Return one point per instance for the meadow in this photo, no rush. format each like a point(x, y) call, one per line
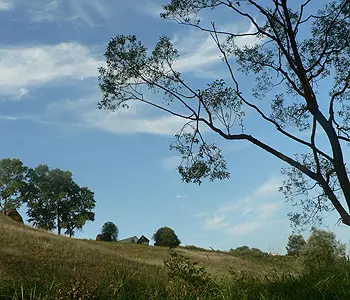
point(36, 264)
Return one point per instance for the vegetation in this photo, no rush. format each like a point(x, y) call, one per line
point(12, 178)
point(245, 251)
point(36, 264)
point(166, 237)
point(298, 59)
point(295, 243)
point(321, 250)
point(109, 232)
point(54, 200)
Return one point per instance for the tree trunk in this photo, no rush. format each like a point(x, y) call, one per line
point(58, 225)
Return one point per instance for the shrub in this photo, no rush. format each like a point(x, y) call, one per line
point(321, 250)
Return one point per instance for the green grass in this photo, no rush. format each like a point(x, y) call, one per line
point(35, 264)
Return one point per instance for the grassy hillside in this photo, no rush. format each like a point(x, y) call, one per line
point(35, 264)
point(27, 252)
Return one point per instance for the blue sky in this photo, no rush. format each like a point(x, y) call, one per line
point(49, 55)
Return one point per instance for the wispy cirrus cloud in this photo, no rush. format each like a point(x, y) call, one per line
point(199, 53)
point(136, 119)
point(5, 5)
point(250, 213)
point(245, 228)
point(88, 12)
point(24, 67)
point(216, 222)
point(248, 203)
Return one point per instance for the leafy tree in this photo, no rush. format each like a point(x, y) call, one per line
point(54, 200)
point(79, 210)
point(166, 237)
point(12, 181)
point(110, 232)
point(322, 249)
point(301, 69)
point(295, 243)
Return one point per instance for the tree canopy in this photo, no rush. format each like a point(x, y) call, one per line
point(295, 243)
point(12, 180)
point(298, 62)
point(322, 249)
point(166, 237)
point(110, 232)
point(54, 200)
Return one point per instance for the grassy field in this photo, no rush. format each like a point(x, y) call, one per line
point(36, 264)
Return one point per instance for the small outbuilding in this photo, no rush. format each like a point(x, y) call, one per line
point(143, 240)
point(135, 240)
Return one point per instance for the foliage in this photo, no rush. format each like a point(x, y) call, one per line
point(295, 243)
point(192, 279)
point(12, 180)
point(109, 232)
point(127, 271)
point(166, 237)
point(245, 251)
point(54, 200)
point(322, 250)
point(300, 67)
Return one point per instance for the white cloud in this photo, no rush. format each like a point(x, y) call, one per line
point(245, 228)
point(256, 209)
point(250, 202)
point(87, 12)
point(216, 222)
point(124, 124)
point(199, 215)
point(269, 188)
point(198, 51)
point(267, 210)
point(5, 5)
point(21, 68)
point(171, 163)
point(137, 119)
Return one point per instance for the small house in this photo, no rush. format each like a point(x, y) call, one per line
point(135, 240)
point(143, 240)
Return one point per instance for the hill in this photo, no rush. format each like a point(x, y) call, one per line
point(33, 261)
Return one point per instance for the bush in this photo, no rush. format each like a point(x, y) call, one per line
point(321, 250)
point(245, 251)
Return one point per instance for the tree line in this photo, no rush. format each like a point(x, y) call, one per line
point(54, 200)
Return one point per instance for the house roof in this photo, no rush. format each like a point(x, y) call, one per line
point(132, 239)
point(143, 238)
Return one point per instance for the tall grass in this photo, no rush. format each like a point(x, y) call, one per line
point(38, 265)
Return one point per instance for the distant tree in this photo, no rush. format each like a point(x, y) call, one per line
point(12, 181)
point(245, 251)
point(54, 200)
point(79, 210)
point(295, 244)
point(109, 232)
point(166, 237)
point(321, 249)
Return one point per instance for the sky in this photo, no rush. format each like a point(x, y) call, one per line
point(50, 52)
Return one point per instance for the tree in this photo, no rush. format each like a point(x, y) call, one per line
point(322, 249)
point(79, 210)
point(166, 237)
point(12, 180)
point(295, 243)
point(301, 69)
point(110, 232)
point(54, 200)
